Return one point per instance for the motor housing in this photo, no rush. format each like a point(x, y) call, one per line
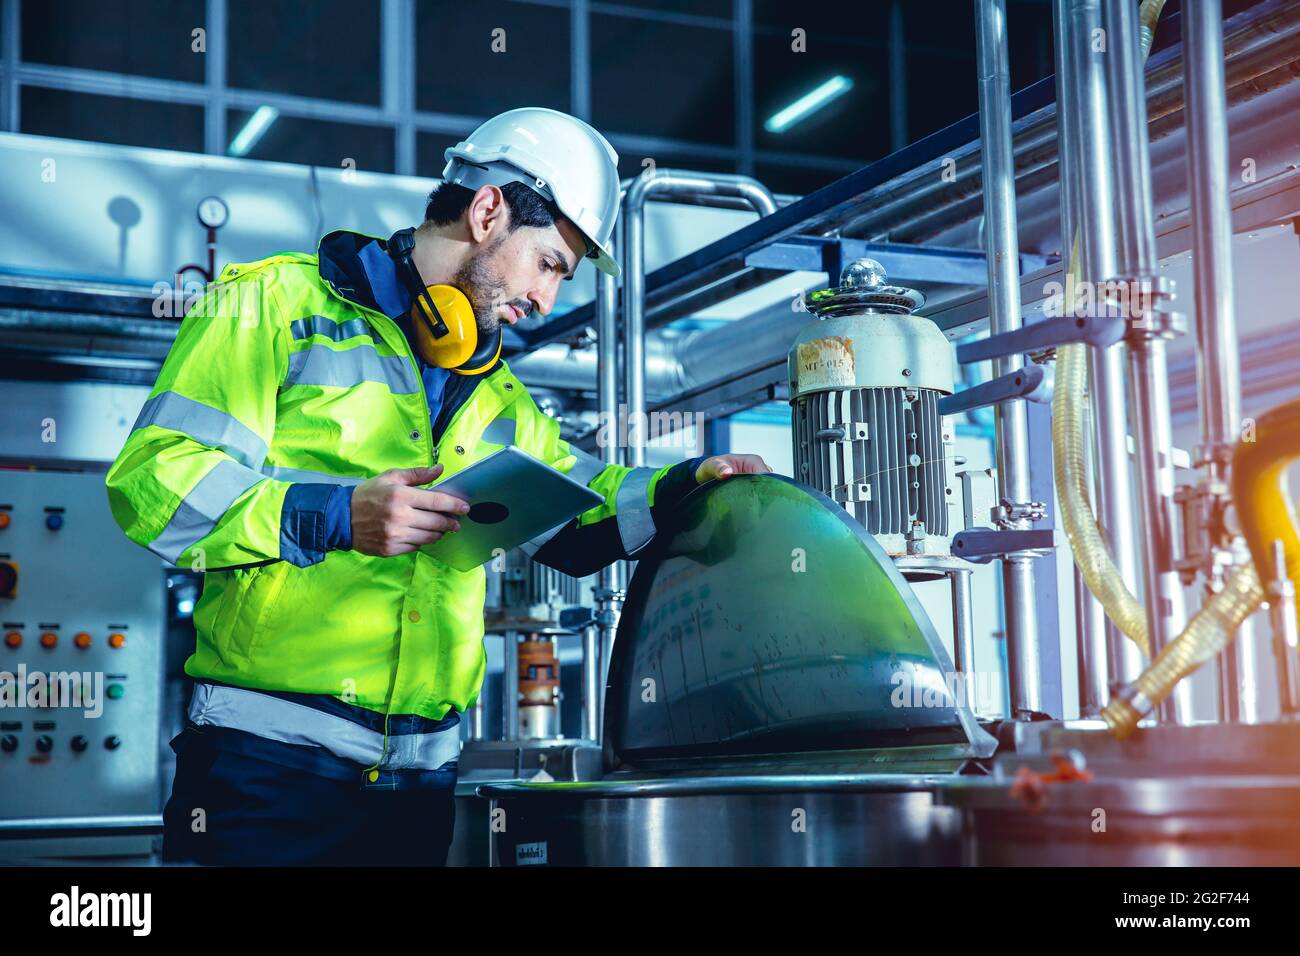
point(865, 381)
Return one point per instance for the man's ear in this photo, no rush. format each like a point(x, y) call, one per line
point(487, 215)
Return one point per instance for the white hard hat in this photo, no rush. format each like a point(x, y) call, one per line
point(559, 156)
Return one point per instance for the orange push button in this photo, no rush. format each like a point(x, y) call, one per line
point(13, 639)
point(4, 520)
point(116, 640)
point(49, 639)
point(82, 640)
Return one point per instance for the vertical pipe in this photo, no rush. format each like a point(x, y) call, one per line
point(1249, 668)
point(1090, 626)
point(478, 718)
point(580, 58)
point(963, 631)
point(1205, 109)
point(217, 25)
point(743, 33)
point(1094, 208)
point(897, 79)
point(1286, 637)
point(610, 581)
point(510, 687)
point(1218, 377)
point(1145, 307)
point(591, 675)
point(634, 329)
point(1090, 617)
point(1003, 253)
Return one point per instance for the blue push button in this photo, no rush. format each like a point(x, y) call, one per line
point(54, 521)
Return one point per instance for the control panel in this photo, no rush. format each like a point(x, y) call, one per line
point(81, 664)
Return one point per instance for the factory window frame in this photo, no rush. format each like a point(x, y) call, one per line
point(717, 124)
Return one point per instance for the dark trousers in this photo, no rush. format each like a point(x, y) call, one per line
point(231, 809)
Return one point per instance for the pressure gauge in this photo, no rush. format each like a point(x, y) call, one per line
point(213, 212)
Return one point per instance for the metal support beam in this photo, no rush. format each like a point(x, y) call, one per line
point(580, 59)
point(897, 77)
point(743, 39)
point(397, 77)
point(10, 56)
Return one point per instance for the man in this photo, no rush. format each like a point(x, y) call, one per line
point(283, 451)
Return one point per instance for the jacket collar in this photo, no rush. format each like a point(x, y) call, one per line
point(339, 262)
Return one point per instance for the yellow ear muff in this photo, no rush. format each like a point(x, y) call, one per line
point(448, 336)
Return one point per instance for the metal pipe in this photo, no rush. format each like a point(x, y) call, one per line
point(915, 208)
point(1209, 186)
point(510, 686)
point(609, 592)
point(963, 627)
point(663, 184)
point(1089, 616)
point(1286, 633)
point(1145, 303)
point(1011, 418)
point(1087, 119)
point(591, 683)
point(478, 719)
point(144, 824)
point(1217, 357)
point(1249, 668)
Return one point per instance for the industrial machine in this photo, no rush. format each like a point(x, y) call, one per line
point(865, 384)
point(776, 695)
point(81, 673)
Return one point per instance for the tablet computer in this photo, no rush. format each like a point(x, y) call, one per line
point(513, 498)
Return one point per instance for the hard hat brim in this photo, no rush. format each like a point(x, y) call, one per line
point(606, 263)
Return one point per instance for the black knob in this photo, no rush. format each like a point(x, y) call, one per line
point(80, 743)
point(8, 579)
point(8, 743)
point(113, 742)
point(44, 743)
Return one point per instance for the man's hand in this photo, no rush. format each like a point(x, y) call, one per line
point(391, 516)
point(721, 466)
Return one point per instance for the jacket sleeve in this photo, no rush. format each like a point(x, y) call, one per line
point(618, 529)
point(188, 483)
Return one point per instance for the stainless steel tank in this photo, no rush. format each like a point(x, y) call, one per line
point(776, 695)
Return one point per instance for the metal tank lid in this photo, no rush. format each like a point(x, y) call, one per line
point(765, 624)
point(864, 290)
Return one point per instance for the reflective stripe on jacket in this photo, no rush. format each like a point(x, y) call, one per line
point(280, 373)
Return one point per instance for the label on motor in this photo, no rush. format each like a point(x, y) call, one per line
point(826, 363)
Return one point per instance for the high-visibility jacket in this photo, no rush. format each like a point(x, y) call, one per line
point(283, 372)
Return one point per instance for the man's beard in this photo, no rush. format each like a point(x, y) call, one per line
point(484, 287)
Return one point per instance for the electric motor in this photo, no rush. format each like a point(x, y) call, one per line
point(865, 381)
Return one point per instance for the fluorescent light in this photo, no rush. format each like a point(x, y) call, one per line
point(257, 124)
point(808, 104)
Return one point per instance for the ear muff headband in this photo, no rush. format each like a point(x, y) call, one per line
point(445, 330)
